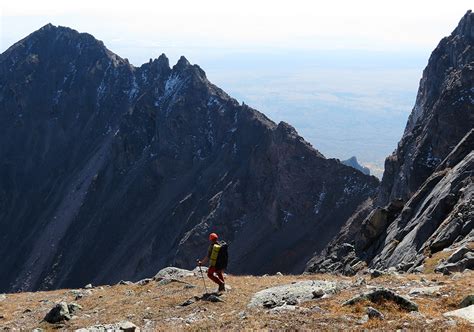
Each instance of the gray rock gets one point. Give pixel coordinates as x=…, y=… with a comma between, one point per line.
x=382, y=294
x=279, y=274
x=242, y=315
x=74, y=308
x=126, y=283
x=392, y=270
x=374, y=313
x=467, y=301
x=419, y=269
x=173, y=273
x=187, y=302
x=360, y=282
x=466, y=313
x=121, y=326
x=59, y=313
x=374, y=273
x=364, y=319
x=458, y=254
x=433, y=290
x=291, y=294
x=79, y=294
x=211, y=298
x=283, y=308
x=317, y=293
x=144, y=282
x=88, y=286
x=417, y=314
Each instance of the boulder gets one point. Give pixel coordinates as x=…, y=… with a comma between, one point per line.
x=457, y=262
x=126, y=283
x=209, y=297
x=122, y=326
x=79, y=294
x=467, y=301
x=466, y=313
x=144, y=282
x=88, y=286
x=458, y=254
x=173, y=273
x=59, y=313
x=374, y=273
x=374, y=313
x=73, y=308
x=433, y=290
x=292, y=294
x=381, y=294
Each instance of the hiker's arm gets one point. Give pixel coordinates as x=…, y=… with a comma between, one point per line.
x=204, y=260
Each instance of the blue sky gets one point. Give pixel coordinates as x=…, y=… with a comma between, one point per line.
x=344, y=73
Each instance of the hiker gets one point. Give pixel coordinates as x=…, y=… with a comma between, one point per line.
x=217, y=257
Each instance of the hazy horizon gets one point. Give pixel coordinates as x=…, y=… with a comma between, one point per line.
x=344, y=75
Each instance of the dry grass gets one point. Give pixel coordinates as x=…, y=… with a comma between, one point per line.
x=157, y=307
x=430, y=263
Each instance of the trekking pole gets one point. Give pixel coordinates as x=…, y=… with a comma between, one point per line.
x=202, y=275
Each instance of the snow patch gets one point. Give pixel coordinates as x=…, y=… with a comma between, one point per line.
x=319, y=202
x=102, y=86
x=133, y=91
x=286, y=216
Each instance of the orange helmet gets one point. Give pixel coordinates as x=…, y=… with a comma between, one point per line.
x=213, y=237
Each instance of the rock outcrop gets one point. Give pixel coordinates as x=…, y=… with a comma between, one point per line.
x=425, y=202
x=441, y=117
x=293, y=294
x=382, y=294
x=110, y=172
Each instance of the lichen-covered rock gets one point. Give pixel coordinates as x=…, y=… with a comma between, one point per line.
x=382, y=294
x=59, y=313
x=173, y=273
x=121, y=326
x=466, y=313
x=467, y=301
x=292, y=294
x=374, y=313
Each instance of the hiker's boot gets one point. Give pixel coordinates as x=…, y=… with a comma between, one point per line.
x=221, y=288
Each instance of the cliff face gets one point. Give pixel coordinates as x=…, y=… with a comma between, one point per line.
x=441, y=117
x=424, y=203
x=109, y=171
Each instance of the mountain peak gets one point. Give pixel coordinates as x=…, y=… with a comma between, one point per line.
x=352, y=162
x=48, y=26
x=465, y=27
x=182, y=63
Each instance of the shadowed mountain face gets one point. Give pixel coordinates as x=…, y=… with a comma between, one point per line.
x=109, y=172
x=425, y=201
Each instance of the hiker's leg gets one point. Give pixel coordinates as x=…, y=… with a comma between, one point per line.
x=220, y=275
x=210, y=274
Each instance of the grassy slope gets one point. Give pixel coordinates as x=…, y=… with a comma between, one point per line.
x=156, y=307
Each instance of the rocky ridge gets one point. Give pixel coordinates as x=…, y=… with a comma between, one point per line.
x=114, y=171
x=424, y=210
